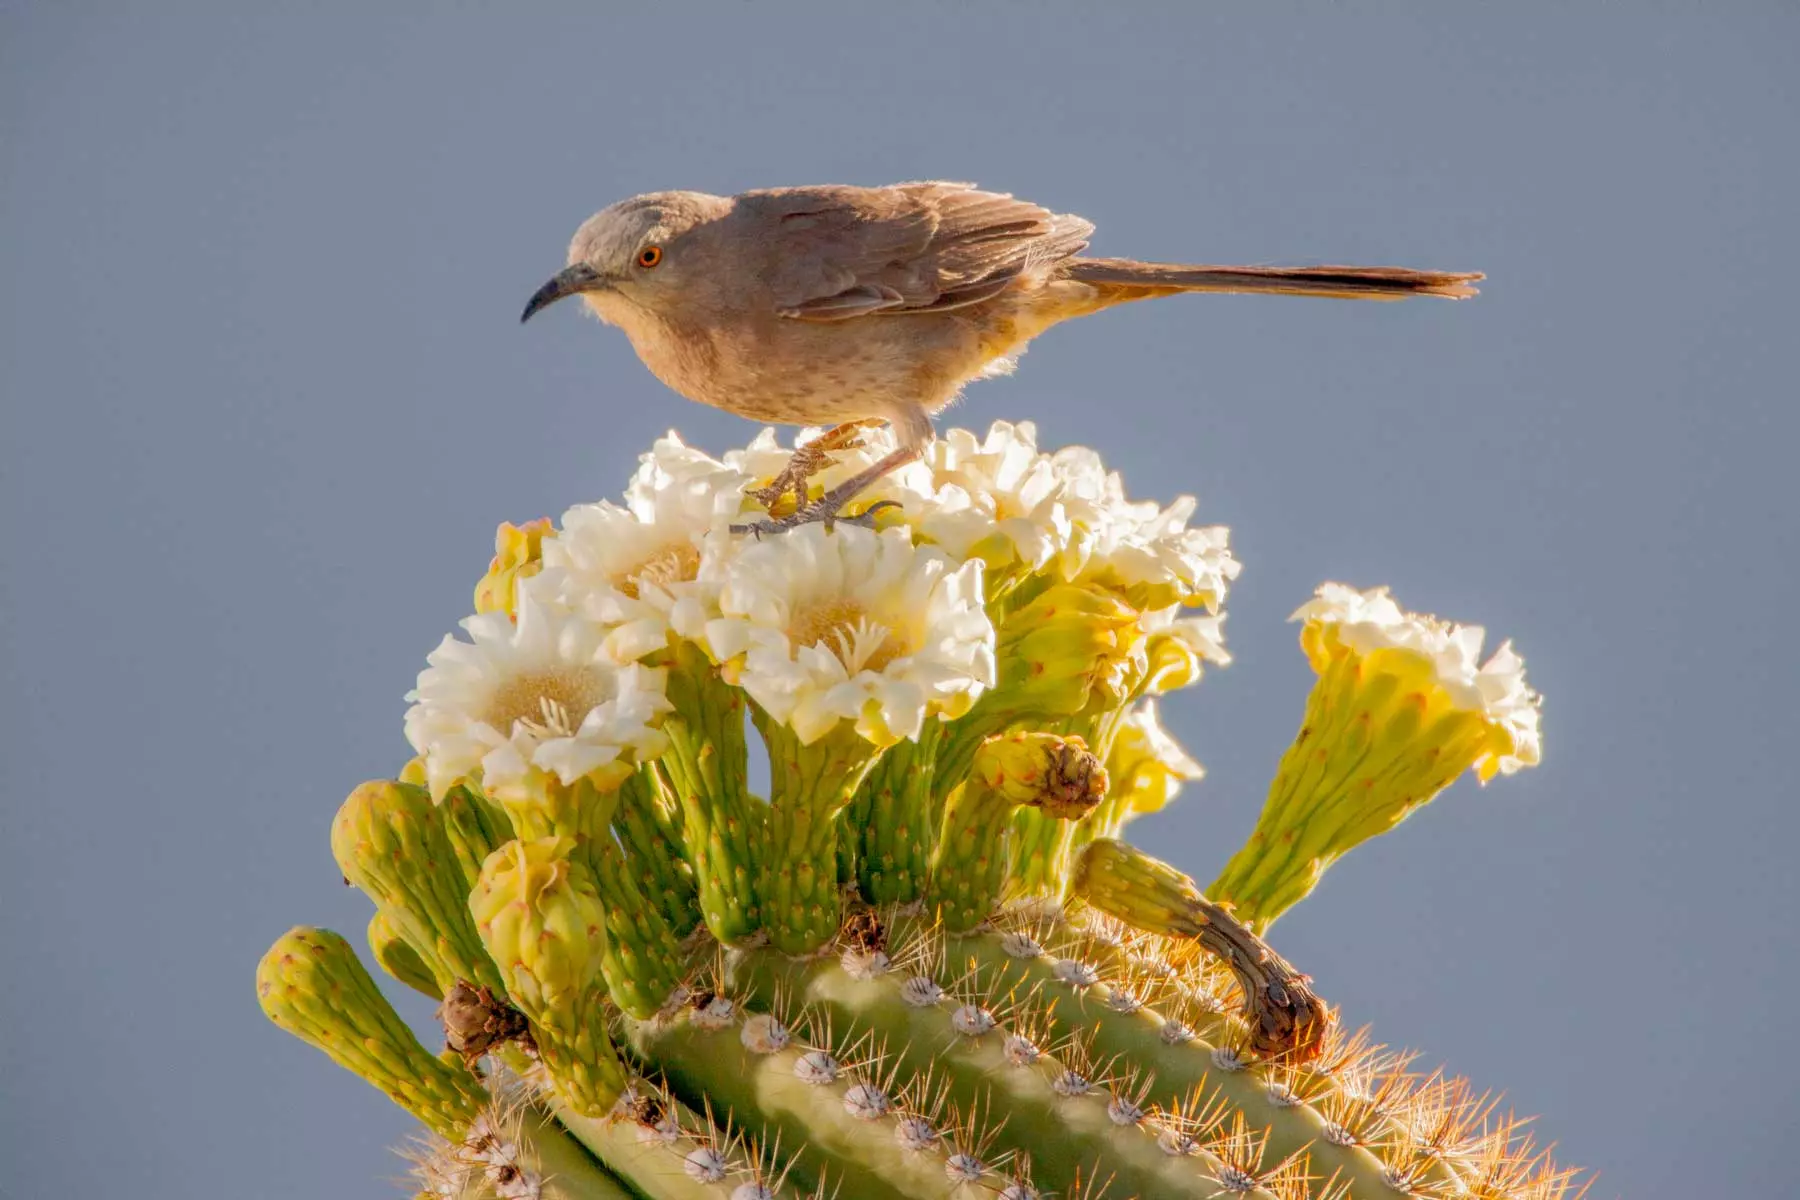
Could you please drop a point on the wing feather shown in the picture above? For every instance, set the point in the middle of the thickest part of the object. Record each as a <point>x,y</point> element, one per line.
<point>836,253</point>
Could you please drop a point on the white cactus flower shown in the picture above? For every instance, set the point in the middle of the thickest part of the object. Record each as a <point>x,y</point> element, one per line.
<point>1370,622</point>
<point>821,626</point>
<point>539,692</point>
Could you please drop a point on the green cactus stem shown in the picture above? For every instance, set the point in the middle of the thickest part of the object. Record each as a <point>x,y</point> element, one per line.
<point>809,786</point>
<point>974,858</point>
<point>516,1150</point>
<point>707,768</point>
<point>648,827</point>
<point>886,1134</point>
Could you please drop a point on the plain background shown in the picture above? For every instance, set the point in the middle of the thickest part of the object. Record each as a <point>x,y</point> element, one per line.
<point>266,396</point>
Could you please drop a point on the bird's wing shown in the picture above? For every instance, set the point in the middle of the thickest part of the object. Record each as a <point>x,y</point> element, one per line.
<point>835,253</point>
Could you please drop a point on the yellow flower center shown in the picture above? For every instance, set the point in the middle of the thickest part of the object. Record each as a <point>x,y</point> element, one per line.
<point>840,626</point>
<point>678,563</point>
<point>548,703</point>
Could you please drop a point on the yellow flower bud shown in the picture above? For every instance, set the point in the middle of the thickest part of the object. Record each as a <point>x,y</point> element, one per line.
<point>1071,648</point>
<point>518,554</point>
<point>542,922</point>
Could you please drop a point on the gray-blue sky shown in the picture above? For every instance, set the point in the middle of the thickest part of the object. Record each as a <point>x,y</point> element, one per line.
<point>265,397</point>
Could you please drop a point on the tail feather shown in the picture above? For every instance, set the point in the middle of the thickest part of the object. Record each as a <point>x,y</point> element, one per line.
<point>1345,283</point>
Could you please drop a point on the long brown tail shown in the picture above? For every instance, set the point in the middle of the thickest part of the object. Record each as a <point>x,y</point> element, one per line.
<point>1343,283</point>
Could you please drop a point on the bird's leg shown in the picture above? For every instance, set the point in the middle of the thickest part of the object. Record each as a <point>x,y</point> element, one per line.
<point>827,507</point>
<point>809,460</point>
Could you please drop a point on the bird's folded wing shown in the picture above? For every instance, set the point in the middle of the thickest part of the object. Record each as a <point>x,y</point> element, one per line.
<point>836,253</point>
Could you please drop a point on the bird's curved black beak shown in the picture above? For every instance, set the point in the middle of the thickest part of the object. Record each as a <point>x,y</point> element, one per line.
<point>567,282</point>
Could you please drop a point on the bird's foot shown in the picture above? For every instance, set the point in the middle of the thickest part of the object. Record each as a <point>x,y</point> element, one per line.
<point>821,511</point>
<point>809,460</point>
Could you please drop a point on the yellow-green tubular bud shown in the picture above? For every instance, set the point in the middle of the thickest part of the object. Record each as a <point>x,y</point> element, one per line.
<point>1399,711</point>
<point>642,960</point>
<point>648,825</point>
<point>1055,775</point>
<point>518,554</point>
<point>399,959</point>
<point>542,922</point>
<point>706,766</point>
<point>1284,1017</point>
<point>389,841</point>
<point>809,788</point>
<point>889,828</point>
<point>311,984</point>
<point>475,826</point>
<point>542,806</point>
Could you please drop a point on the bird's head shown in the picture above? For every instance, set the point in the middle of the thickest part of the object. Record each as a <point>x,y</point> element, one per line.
<point>633,254</point>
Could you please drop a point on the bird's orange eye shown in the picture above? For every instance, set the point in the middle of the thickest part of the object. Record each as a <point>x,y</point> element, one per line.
<point>649,256</point>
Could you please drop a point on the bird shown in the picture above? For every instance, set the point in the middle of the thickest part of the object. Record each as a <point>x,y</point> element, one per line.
<point>848,306</point>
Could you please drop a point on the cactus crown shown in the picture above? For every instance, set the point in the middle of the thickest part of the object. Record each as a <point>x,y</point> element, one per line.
<point>926,963</point>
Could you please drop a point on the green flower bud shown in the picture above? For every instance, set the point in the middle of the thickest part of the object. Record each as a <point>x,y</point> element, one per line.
<point>1054,774</point>
<point>389,841</point>
<point>1070,649</point>
<point>399,959</point>
<point>311,984</point>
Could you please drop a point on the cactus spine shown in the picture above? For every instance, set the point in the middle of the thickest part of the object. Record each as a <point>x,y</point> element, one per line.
<point>927,964</point>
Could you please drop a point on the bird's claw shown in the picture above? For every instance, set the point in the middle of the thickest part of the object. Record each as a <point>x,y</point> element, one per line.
<point>815,514</point>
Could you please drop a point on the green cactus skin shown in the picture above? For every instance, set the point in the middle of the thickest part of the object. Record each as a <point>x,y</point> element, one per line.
<point>1197,1043</point>
<point>672,1153</point>
<point>853,1104</point>
<point>312,985</point>
<point>970,871</point>
<point>399,959</point>
<point>648,826</point>
<point>706,768</point>
<point>953,1049</point>
<point>642,963</point>
<point>890,822</point>
<point>810,786</point>
<point>475,827</point>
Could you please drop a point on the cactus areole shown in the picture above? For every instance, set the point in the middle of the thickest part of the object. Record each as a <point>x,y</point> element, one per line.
<point>926,963</point>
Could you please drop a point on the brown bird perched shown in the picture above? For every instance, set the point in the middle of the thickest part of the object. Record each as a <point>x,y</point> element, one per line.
<point>846,306</point>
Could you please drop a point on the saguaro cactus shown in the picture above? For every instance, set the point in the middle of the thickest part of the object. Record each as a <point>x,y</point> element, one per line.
<point>926,964</point>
